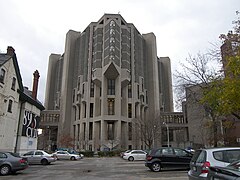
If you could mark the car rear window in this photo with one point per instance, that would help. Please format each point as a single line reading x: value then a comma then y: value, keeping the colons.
x: 228, y: 156
x: 199, y: 156
x: 14, y: 154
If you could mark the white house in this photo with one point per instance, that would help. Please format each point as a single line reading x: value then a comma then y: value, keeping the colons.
x: 19, y: 107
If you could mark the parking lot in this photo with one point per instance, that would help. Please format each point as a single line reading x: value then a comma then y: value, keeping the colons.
x: 95, y: 169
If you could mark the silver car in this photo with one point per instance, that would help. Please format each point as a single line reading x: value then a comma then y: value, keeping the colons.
x: 205, y: 158
x: 11, y: 163
x: 39, y: 157
x: 64, y: 155
x: 134, y: 155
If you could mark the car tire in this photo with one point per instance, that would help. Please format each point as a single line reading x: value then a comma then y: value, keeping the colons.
x: 44, y: 162
x: 5, y: 170
x: 131, y: 158
x: 72, y: 158
x: 156, y: 167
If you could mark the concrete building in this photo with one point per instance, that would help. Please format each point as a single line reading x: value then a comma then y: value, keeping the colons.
x: 108, y: 75
x: 19, y: 107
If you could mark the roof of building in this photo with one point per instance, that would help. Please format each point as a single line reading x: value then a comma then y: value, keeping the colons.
x: 25, y: 94
x: 4, y: 58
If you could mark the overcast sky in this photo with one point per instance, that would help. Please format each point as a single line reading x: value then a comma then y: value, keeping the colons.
x: 37, y: 28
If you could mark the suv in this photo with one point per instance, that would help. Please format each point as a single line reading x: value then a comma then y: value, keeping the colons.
x: 204, y: 158
x: 167, y: 157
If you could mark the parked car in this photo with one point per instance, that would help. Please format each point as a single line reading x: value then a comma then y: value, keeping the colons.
x: 65, y: 155
x: 168, y: 157
x: 39, y: 157
x: 230, y: 172
x: 11, y: 163
x: 134, y: 155
x: 203, y: 159
x: 121, y: 153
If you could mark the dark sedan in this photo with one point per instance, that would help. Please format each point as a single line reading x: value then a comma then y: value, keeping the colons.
x: 231, y: 172
x: 166, y: 157
x: 11, y: 163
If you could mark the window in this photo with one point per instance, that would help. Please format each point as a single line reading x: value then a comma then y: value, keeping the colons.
x: 13, y: 84
x: 138, y: 91
x: 129, y: 110
x: 167, y: 151
x: 83, y: 89
x: 111, y: 86
x: 91, y: 110
x: 90, y: 130
x: 180, y: 152
x: 92, y: 90
x: 2, y: 75
x: 73, y: 100
x: 129, y: 91
x: 129, y: 131
x: 111, y: 106
x: 2, y: 155
x: 38, y: 153
x: 10, y: 106
x: 110, y: 131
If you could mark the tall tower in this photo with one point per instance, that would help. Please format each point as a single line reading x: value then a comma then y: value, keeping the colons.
x: 109, y: 76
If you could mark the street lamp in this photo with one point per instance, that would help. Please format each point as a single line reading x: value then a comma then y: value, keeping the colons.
x: 167, y: 132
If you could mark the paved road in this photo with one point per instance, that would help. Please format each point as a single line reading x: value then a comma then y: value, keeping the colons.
x: 95, y: 169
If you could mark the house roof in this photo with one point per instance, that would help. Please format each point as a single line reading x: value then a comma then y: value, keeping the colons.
x: 25, y: 95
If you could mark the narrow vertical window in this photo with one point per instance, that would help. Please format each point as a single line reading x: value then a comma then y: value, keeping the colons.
x: 110, y: 131
x: 111, y: 86
x: 13, y: 84
x: 85, y: 111
x: 90, y: 130
x: 10, y: 106
x: 83, y: 89
x: 92, y: 90
x: 130, y: 131
x: 129, y: 91
x: 91, y: 110
x: 73, y: 100
x: 138, y: 91
x: 110, y: 106
x: 2, y: 75
x: 84, y: 131
x: 129, y: 110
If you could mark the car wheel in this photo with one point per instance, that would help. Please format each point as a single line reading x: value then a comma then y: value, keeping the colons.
x: 131, y: 158
x: 44, y: 162
x: 72, y: 158
x: 5, y: 169
x: 156, y: 167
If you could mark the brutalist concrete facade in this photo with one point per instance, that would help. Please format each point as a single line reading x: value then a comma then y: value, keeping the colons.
x: 108, y: 75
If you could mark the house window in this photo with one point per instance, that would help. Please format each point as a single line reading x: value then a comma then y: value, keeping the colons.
x: 13, y: 83
x: 2, y: 75
x: 10, y: 106
x: 111, y: 106
x: 111, y: 86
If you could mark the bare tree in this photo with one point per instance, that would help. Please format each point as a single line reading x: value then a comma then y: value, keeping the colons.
x: 66, y: 141
x: 148, y: 130
x: 198, y: 71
